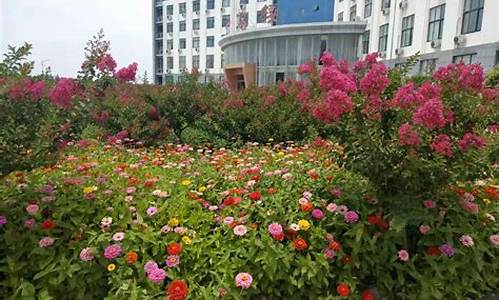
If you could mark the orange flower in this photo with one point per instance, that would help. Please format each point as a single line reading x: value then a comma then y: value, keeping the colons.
x: 308, y: 206
x: 300, y: 244
x: 335, y: 246
x: 131, y: 257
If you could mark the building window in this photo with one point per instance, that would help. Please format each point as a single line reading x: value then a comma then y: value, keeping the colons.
x: 222, y: 60
x: 340, y: 17
x: 280, y: 76
x: 407, y: 31
x: 225, y: 20
x: 170, y: 62
x: 465, y: 58
x: 427, y: 66
x: 196, y: 61
x: 196, y: 5
x: 260, y: 16
x: 182, y: 8
x: 182, y: 43
x: 170, y: 27
x: 366, y: 41
x: 436, y: 20
x: 383, y: 33
x: 196, y: 42
x: 210, y: 22
x: 473, y: 16
x: 243, y: 2
x: 352, y: 13
x: 368, y: 8
x: 182, y: 26
x: 182, y: 62
x: 210, y: 61
x: 322, y: 50
x: 210, y: 4
x: 170, y: 10
x: 210, y: 41
x: 386, y: 4
x: 496, y: 58
x: 226, y: 3
x: 196, y: 24
x: 170, y: 44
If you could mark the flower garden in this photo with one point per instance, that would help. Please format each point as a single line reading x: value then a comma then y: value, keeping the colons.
x: 356, y: 182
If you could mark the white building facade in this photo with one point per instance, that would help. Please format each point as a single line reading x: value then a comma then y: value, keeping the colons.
x: 442, y: 31
x: 186, y: 34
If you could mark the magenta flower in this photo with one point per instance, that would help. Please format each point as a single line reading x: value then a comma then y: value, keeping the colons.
x: 107, y: 63
x: 157, y: 275
x: 329, y: 253
x: 447, y: 250
x: 46, y: 242
x: 172, y: 260
x: 112, y: 251
x: 317, y: 214
x: 304, y: 69
x: 32, y: 209
x: 29, y: 223
x: 3, y: 220
x: 375, y: 81
x: 471, y: 140
x: 127, y: 73
x: 351, y: 217
x: 275, y: 229
x: 429, y: 204
x: 442, y: 145
x: 151, y: 211
x: 243, y: 280
x: 62, y: 93
x: 403, y: 255
x: 407, y: 136
x: 240, y: 230
x: 86, y: 254
x: 36, y: 90
x: 430, y: 114
x: 150, y: 266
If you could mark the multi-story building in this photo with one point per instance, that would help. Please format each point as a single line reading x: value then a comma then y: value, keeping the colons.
x: 299, y: 12
x: 442, y: 31
x: 186, y: 34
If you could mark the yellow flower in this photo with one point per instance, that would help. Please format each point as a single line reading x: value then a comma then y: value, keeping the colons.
x: 304, y: 225
x: 111, y: 267
x: 281, y: 153
x: 186, y: 240
x: 186, y: 182
x: 201, y: 189
x: 89, y: 189
x: 487, y: 201
x: 173, y: 222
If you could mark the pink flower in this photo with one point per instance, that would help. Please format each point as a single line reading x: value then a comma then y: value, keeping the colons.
x: 275, y: 229
x: 471, y: 140
x: 332, y: 79
x: 375, y: 81
x: 157, y: 275
x: 342, y: 209
x: 127, y: 73
x: 469, y: 205
x: 130, y: 190
x: 442, y: 145
x: 62, y: 93
x: 407, y: 136
x: 430, y: 114
x: 112, y: 251
x: 151, y: 211
x: 335, y: 105
x: 118, y: 236
x: 243, y: 280
x: 107, y: 63
x: 336, y: 192
x: 228, y: 220
x: 86, y: 254
x: 403, y: 255
x: 331, y: 207
x: 490, y: 94
x: 424, y: 229
x: 304, y: 69
x: 407, y: 97
x: 282, y: 88
x: 172, y: 260
x: 29, y: 223
x: 32, y: 209
x: 46, y: 242
x: 240, y: 230
x: 351, y: 217
x: 429, y: 204
x: 270, y: 99
x: 461, y: 76
x: 494, y: 239
x: 36, y: 90
x: 429, y: 90
x: 150, y: 266
x: 317, y: 214
x: 466, y: 240
x: 327, y: 59
x: 329, y: 253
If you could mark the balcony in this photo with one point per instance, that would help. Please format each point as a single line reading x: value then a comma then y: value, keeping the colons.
x: 159, y: 36
x: 159, y: 52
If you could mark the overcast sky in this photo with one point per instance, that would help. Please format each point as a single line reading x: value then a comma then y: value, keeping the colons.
x: 59, y: 29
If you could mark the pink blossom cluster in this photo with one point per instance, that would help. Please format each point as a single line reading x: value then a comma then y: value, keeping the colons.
x: 305, y: 69
x: 375, y: 81
x: 26, y: 89
x: 442, y: 145
x: 461, y: 76
x: 335, y: 105
x: 471, y: 140
x: 407, y: 136
x: 62, y: 93
x: 331, y: 78
x: 107, y: 63
x: 127, y: 73
x: 430, y: 114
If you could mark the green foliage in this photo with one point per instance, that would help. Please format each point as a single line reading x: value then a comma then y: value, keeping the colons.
x: 15, y: 62
x: 95, y: 49
x: 492, y: 77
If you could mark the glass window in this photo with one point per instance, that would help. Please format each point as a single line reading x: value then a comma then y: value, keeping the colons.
x: 366, y: 41
x: 170, y: 44
x: 170, y: 62
x: 170, y: 10
x: 436, y: 20
x: 427, y: 66
x: 225, y: 20
x: 473, y: 16
x: 352, y: 13
x: 196, y: 61
x: 340, y: 17
x: 386, y: 4
x: 196, y: 24
x: 222, y: 60
x: 170, y: 27
x: 196, y: 5
x: 196, y: 42
x: 368, y: 8
x: 210, y: 61
x: 210, y: 22
x: 182, y: 8
x: 210, y: 4
x: 182, y: 62
x: 260, y: 17
x: 210, y: 41
x: 182, y: 26
x: 243, y: 2
x: 465, y: 58
x: 280, y: 76
x: 407, y: 31
x: 383, y: 33
x: 182, y: 43
x: 226, y: 3
x: 322, y: 49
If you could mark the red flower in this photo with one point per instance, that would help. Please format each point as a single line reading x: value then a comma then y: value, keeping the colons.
x: 373, y: 219
x: 174, y: 249
x: 177, y: 290
x: 300, y: 244
x: 491, y: 192
x: 271, y: 191
x: 306, y: 207
x: 368, y: 295
x: 256, y: 177
x: 383, y: 224
x: 279, y: 237
x: 255, y: 195
x: 343, y: 290
x: 232, y: 201
x: 433, y: 251
x: 335, y: 246
x: 48, y: 224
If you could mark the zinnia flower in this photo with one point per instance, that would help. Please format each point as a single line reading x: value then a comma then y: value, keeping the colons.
x: 275, y: 229
x: 157, y: 275
x: 150, y: 266
x: 32, y: 209
x: 424, y: 229
x: 86, y: 254
x: 403, y: 255
x: 243, y: 280
x: 151, y: 211
x: 177, y: 290
x: 118, y: 236
x: 172, y: 260
x: 317, y: 214
x: 112, y: 251
x: 494, y: 239
x: 300, y: 244
x: 304, y: 225
x: 46, y: 242
x: 447, y: 250
x: 351, y: 217
x: 466, y: 240
x: 174, y: 248
x: 240, y: 230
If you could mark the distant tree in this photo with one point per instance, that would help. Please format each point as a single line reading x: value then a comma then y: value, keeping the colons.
x: 144, y: 78
x: 95, y: 49
x: 15, y: 62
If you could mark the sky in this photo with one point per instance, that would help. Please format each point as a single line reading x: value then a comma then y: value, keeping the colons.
x: 59, y: 30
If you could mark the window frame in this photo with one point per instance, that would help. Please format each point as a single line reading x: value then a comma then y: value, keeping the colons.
x: 439, y: 22
x: 385, y: 4
x: 210, y: 20
x: 365, y: 42
x: 352, y: 12
x: 460, y: 58
x: 211, y: 38
x: 472, y: 11
x: 367, y: 12
x: 383, y: 37
x: 340, y: 16
x: 182, y: 26
x: 407, y: 30
x: 196, y: 24
x: 207, y: 66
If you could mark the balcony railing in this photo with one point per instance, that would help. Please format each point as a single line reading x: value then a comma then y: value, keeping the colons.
x: 159, y: 52
x: 159, y: 35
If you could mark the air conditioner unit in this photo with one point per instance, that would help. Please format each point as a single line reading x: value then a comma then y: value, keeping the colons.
x: 197, y: 12
x: 382, y: 54
x: 403, y: 4
x: 386, y: 11
x: 207, y: 11
x: 436, y: 44
x: 222, y: 9
x: 206, y: 70
x: 399, y: 51
x: 459, y: 40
